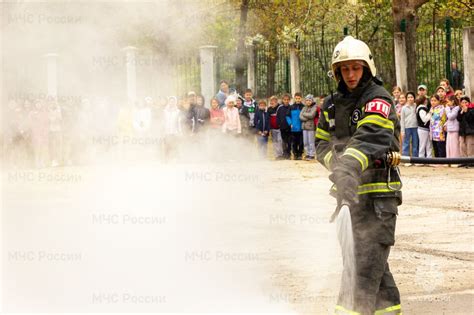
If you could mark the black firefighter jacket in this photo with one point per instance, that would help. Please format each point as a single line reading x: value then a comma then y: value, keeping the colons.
x: 366, y: 128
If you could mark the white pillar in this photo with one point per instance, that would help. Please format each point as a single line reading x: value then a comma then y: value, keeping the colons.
x: 208, y: 72
x: 294, y: 70
x: 131, y: 68
x: 52, y: 74
x: 401, y: 60
x: 251, y: 68
x: 468, y: 58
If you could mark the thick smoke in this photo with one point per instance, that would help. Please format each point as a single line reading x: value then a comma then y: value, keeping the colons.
x: 100, y: 213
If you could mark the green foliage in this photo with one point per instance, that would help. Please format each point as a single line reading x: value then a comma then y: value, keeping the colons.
x: 433, y: 14
x: 312, y: 26
x: 221, y: 32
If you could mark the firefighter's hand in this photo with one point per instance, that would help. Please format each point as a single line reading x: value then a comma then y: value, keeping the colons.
x: 347, y: 183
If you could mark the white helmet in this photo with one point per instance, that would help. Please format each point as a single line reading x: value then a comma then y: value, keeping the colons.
x: 352, y: 49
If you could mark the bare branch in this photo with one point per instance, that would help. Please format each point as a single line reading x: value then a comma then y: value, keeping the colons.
x: 467, y: 4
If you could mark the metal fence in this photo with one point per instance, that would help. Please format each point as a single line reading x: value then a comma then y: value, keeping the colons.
x: 315, y: 61
x: 435, y: 51
x: 272, y: 70
x: 188, y: 74
x: 225, y: 69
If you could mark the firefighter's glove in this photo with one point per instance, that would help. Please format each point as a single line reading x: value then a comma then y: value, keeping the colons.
x: 337, y: 151
x: 347, y: 183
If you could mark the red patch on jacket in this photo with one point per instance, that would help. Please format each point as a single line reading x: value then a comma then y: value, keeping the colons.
x: 378, y: 106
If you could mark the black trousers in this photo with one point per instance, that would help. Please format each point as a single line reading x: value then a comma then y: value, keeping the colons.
x: 297, y: 143
x: 286, y: 143
x: 439, y: 148
x: 370, y: 286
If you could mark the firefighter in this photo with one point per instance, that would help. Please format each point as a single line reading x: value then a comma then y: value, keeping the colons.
x: 358, y: 127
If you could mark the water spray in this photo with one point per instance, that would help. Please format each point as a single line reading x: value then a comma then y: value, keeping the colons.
x: 346, y: 240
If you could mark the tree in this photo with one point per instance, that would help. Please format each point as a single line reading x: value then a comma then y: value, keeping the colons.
x: 241, y: 82
x: 405, y: 19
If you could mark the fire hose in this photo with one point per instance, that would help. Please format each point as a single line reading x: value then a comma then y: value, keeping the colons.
x: 395, y: 158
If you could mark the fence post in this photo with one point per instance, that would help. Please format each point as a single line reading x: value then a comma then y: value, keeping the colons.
x: 52, y: 74
x: 131, y: 68
x: 251, y: 68
x: 346, y: 30
x: 468, y: 57
x: 208, y: 72
x: 448, y: 49
x: 294, y: 70
x: 401, y: 60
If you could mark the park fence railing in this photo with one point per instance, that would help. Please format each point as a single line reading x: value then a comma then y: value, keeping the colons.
x: 436, y: 50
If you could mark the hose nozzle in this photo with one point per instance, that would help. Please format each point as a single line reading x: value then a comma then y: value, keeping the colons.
x: 393, y: 158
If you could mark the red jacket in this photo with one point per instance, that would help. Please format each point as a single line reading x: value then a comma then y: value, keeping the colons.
x: 316, y: 118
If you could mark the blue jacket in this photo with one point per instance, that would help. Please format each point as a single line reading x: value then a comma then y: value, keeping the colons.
x: 262, y: 121
x: 293, y: 117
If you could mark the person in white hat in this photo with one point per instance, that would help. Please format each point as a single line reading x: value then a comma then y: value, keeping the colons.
x: 231, y: 123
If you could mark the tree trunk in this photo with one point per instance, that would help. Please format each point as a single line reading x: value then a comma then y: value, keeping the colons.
x: 406, y: 10
x: 271, y: 68
x: 240, y: 79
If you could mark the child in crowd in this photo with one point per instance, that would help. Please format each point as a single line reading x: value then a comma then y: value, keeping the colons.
x: 231, y: 123
x: 441, y: 92
x: 316, y: 118
x: 39, y: 118
x: 398, y: 110
x: 447, y: 87
x: 244, y: 118
x: 216, y: 115
x: 185, y: 106
x: 307, y: 115
x: 466, y: 130
x: 224, y: 91
x: 402, y: 100
x: 250, y: 106
x: 262, y: 124
x: 55, y: 135
x: 275, y: 127
x: 69, y: 131
x: 438, y: 119
x: 422, y: 91
x: 293, y: 119
x: 396, y: 91
x: 172, y: 126
x: 423, y: 117
x: 239, y: 105
x: 458, y: 94
x: 320, y: 101
x: 285, y: 129
x: 452, y: 127
x: 199, y: 114
x: 409, y: 126
x: 247, y: 107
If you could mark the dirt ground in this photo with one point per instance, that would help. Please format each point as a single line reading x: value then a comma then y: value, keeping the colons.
x: 249, y: 236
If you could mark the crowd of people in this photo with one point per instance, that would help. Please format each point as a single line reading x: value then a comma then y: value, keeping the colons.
x: 290, y: 122
x: 46, y: 133
x: 437, y: 125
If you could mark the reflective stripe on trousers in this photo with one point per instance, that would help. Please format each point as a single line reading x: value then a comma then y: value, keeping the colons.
x: 341, y: 310
x: 391, y: 310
